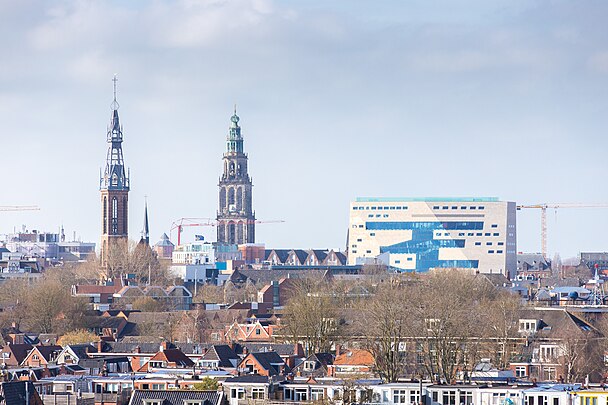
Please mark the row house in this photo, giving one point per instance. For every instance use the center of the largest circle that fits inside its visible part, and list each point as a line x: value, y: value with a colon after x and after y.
x: 299, y: 257
x: 255, y: 331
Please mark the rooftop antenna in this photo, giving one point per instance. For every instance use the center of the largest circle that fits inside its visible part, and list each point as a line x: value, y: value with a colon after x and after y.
x: 115, y: 104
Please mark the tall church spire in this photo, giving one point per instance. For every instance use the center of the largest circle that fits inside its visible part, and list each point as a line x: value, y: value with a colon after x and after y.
x: 145, y: 233
x: 236, y: 219
x: 114, y: 186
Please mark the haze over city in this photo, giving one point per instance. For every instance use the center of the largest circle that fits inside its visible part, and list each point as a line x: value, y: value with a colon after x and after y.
x: 336, y: 101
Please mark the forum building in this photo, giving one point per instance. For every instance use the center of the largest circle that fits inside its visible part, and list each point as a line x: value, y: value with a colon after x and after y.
x: 420, y: 234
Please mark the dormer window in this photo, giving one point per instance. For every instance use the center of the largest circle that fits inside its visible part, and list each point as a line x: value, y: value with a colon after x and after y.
x: 309, y: 365
x: 528, y: 325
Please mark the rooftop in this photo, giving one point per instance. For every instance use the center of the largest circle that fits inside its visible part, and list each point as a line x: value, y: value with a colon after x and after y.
x: 427, y: 199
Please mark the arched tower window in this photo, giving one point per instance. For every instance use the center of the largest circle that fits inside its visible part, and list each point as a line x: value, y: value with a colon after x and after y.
x: 231, y: 233
x: 222, y: 198
x: 114, y: 216
x: 125, y: 216
x: 230, y: 196
x: 239, y: 198
x: 105, y: 215
x: 240, y: 233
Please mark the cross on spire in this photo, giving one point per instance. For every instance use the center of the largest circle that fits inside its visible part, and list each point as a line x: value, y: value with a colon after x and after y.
x: 115, y: 104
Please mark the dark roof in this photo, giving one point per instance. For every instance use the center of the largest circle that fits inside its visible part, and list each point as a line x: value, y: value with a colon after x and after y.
x: 82, y: 350
x: 302, y: 255
x: 268, y: 360
x: 192, y: 348
x: 46, y: 351
x: 129, y: 347
x: 223, y: 353
x: 249, y: 378
x: 282, y: 349
x: 14, y: 393
x: 178, y: 357
x: 176, y: 397
x: 320, y: 254
x: 20, y: 351
x: 276, y: 273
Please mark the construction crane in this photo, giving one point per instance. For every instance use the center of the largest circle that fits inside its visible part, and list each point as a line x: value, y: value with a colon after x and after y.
x: 19, y: 208
x: 182, y: 222
x: 543, y: 217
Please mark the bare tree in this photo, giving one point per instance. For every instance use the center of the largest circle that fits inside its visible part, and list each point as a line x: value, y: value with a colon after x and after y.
x: 311, y: 316
x: 384, y: 323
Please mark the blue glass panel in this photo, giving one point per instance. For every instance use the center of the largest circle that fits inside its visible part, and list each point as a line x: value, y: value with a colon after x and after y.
x: 435, y: 225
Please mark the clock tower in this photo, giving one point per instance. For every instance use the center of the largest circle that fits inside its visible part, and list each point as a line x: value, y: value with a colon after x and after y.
x: 235, y: 217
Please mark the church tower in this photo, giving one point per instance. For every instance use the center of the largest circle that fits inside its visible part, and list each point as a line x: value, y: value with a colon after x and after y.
x: 235, y: 217
x: 114, y: 187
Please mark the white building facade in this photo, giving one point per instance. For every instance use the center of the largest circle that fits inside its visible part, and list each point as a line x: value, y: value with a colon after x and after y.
x: 420, y: 234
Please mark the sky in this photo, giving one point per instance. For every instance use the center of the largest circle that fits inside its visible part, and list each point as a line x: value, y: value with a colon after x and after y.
x: 337, y: 99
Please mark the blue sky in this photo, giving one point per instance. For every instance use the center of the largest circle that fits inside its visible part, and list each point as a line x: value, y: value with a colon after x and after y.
x: 337, y: 100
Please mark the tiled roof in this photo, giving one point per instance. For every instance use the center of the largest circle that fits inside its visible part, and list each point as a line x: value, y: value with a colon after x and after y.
x: 176, y: 397
x: 354, y: 357
x: 269, y: 360
x: 14, y: 393
x: 223, y: 353
x: 20, y: 351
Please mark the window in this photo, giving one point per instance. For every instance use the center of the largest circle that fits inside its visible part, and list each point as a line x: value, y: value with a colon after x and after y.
x: 499, y: 251
x: 317, y: 394
x: 409, y: 259
x: 436, y: 207
x: 520, y: 371
x: 481, y: 208
x: 479, y: 234
x: 153, y: 402
x: 257, y: 393
x: 490, y: 251
x: 445, y: 207
x: 454, y: 208
x: 494, y: 225
x: 237, y: 393
x: 488, y: 243
x: 495, y: 234
x: 548, y: 353
x: 488, y: 234
x: 477, y: 243
x: 372, y: 234
x: 359, y: 240
x: 397, y: 261
x: 400, y: 397
x: 414, y: 397
x: 309, y: 365
x: 585, y: 400
x: 449, y: 397
x: 501, y: 243
x: 463, y: 207
x: 527, y: 325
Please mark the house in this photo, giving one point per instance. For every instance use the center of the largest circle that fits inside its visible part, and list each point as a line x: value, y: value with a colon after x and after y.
x: 263, y: 363
x: 73, y: 354
x: 253, y: 331
x: 42, y: 356
x: 246, y: 389
x: 19, y: 393
x: 176, y: 397
x: 13, y: 355
x: 278, y: 292
x: 290, y: 353
x: 315, y: 365
x: 351, y: 362
x: 551, y: 334
x: 219, y: 356
x: 167, y: 358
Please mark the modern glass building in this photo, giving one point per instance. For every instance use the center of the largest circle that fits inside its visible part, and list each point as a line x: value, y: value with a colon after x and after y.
x: 419, y: 234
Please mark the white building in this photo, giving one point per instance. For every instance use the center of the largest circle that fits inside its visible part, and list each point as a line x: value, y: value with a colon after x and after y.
x: 419, y: 234
x: 197, y: 252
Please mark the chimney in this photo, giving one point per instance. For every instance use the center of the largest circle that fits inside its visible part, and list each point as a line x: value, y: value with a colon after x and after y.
x: 338, y: 350
x: 164, y: 346
x: 99, y: 346
x: 137, y: 349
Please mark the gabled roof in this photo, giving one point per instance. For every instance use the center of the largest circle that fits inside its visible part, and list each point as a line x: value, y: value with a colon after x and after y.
x: 248, y: 379
x: 16, y: 393
x: 221, y: 353
x: 282, y: 349
x: 19, y: 351
x: 177, y: 397
x: 301, y: 255
x: 269, y: 361
x: 81, y: 351
x: 354, y: 357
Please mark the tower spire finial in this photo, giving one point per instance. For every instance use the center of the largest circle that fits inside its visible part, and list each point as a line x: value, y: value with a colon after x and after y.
x: 115, y: 104
x: 234, y: 108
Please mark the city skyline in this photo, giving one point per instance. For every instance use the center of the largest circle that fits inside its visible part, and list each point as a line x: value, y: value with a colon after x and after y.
x: 336, y: 102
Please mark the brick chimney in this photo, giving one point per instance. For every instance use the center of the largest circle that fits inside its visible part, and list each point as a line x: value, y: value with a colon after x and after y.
x: 338, y: 350
x: 99, y: 346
